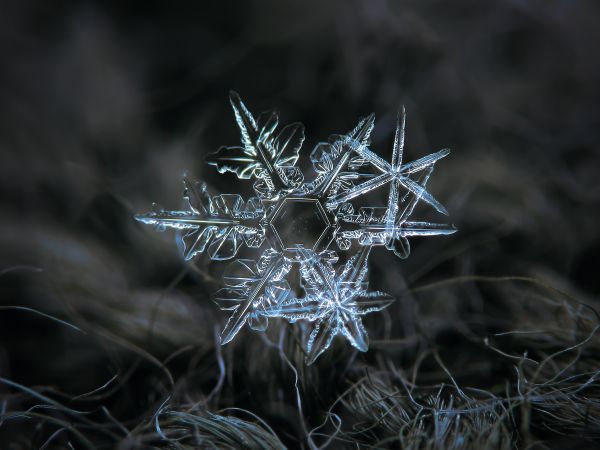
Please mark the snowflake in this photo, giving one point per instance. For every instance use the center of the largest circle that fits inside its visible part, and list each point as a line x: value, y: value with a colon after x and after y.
x: 299, y: 222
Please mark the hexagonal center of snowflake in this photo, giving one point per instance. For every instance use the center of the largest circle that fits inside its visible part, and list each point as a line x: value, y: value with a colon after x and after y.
x: 300, y: 222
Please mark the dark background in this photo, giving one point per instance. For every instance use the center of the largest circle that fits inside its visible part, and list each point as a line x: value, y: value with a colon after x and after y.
x: 103, y: 106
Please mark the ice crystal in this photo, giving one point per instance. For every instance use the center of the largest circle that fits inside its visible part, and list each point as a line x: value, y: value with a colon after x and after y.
x: 298, y: 221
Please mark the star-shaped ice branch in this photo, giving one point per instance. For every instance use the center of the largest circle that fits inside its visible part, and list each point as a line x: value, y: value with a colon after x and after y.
x: 392, y: 227
x: 334, y: 302
x: 396, y: 173
x: 343, y: 299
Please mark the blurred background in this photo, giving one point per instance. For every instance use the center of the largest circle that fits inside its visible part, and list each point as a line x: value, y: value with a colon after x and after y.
x: 108, y: 339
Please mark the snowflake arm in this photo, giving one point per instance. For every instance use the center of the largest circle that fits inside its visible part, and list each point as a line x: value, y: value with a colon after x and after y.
x: 360, y: 189
x: 426, y: 229
x: 294, y: 309
x: 373, y: 301
x: 393, y: 198
x: 250, y: 288
x: 329, y: 158
x: 219, y: 224
x: 270, y: 158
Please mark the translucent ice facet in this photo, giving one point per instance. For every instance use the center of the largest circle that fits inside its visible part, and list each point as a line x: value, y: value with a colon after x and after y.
x: 299, y: 222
